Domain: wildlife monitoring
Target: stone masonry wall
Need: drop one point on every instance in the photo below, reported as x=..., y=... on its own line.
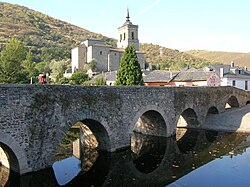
x=36, y=117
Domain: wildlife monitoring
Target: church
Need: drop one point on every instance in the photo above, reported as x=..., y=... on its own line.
x=107, y=58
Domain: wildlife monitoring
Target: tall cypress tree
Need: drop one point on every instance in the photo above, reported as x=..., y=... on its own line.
x=129, y=73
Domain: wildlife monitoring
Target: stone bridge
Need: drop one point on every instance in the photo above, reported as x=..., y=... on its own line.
x=34, y=118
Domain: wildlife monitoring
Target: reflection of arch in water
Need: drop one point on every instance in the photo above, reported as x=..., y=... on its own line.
x=232, y=102
x=211, y=136
x=187, y=118
x=165, y=160
x=151, y=122
x=90, y=178
x=148, y=151
x=188, y=141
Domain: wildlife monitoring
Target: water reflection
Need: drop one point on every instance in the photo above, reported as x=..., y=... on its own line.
x=152, y=161
x=186, y=139
x=147, y=151
x=66, y=169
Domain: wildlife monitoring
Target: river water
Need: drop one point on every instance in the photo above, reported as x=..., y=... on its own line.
x=192, y=158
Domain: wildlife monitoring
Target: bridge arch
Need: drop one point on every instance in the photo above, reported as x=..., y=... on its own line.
x=212, y=110
x=187, y=118
x=150, y=120
x=16, y=156
x=99, y=130
x=232, y=102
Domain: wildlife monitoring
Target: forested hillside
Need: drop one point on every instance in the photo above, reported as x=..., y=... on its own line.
x=164, y=58
x=50, y=38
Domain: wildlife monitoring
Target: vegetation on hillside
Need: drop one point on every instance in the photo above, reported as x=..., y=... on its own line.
x=46, y=37
x=159, y=57
x=129, y=73
x=51, y=39
x=49, y=42
x=240, y=59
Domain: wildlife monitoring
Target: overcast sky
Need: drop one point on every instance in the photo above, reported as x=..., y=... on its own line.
x=216, y=25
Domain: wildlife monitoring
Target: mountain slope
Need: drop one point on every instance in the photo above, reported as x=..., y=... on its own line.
x=47, y=37
x=159, y=54
x=240, y=59
x=50, y=38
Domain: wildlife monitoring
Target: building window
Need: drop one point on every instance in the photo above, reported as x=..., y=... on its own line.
x=132, y=35
x=100, y=52
x=120, y=37
x=234, y=82
x=124, y=36
x=246, y=85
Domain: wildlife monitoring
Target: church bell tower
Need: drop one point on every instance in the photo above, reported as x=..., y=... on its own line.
x=128, y=34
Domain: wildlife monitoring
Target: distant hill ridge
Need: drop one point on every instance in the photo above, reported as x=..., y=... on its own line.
x=50, y=38
x=240, y=59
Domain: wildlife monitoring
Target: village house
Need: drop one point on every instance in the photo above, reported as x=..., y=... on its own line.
x=196, y=77
x=186, y=77
x=211, y=75
x=159, y=78
x=231, y=75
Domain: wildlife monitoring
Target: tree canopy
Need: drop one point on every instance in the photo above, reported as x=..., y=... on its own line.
x=16, y=64
x=78, y=78
x=11, y=59
x=129, y=73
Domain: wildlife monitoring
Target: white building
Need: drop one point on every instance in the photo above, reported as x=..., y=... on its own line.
x=107, y=58
x=232, y=75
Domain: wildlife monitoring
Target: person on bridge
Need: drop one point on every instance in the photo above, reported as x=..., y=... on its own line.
x=43, y=79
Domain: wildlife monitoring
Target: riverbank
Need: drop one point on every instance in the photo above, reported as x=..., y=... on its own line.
x=234, y=119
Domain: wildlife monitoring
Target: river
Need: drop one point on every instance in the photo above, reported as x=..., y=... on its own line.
x=192, y=158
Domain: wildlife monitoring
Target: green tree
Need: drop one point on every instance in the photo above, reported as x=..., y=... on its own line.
x=29, y=66
x=43, y=67
x=58, y=68
x=100, y=81
x=11, y=59
x=78, y=78
x=129, y=72
x=93, y=64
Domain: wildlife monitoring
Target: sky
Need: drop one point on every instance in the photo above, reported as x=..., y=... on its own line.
x=215, y=25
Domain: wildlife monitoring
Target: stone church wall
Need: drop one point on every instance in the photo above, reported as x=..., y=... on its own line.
x=79, y=57
x=100, y=54
x=114, y=60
